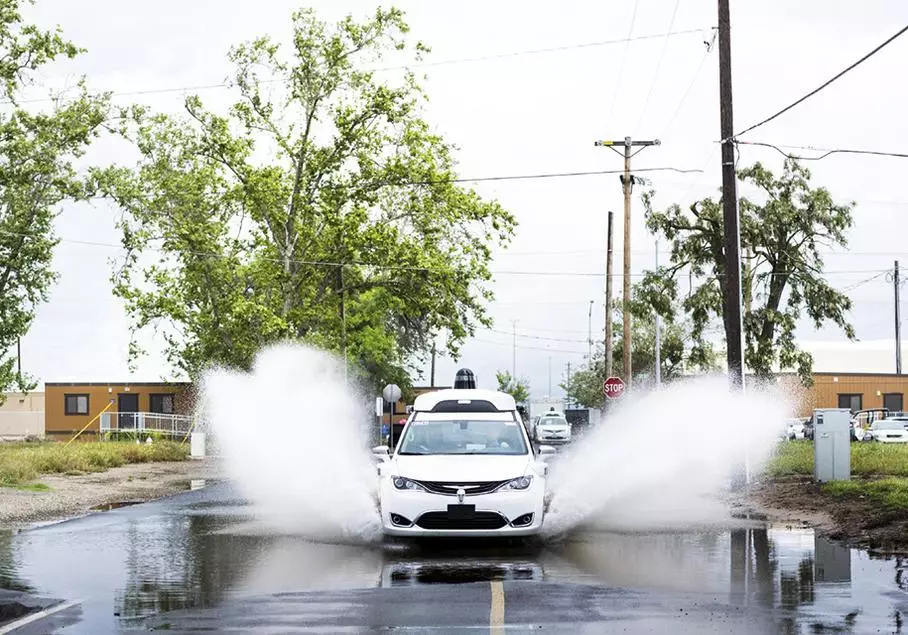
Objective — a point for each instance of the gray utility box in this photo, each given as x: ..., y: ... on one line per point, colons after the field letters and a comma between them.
x: 832, y: 444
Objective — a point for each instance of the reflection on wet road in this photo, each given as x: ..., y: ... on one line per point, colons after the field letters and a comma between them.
x: 199, y: 561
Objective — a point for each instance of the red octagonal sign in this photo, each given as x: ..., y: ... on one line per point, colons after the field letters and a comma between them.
x: 613, y: 387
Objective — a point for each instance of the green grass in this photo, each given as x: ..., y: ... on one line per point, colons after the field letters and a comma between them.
x: 33, y: 487
x: 22, y: 463
x: 889, y: 492
x: 795, y: 458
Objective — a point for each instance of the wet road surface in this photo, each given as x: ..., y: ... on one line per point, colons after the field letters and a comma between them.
x: 199, y: 562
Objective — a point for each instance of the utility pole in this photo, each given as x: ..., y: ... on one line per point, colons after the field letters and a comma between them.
x: 514, y: 353
x: 568, y: 374
x: 898, y: 322
x: 608, y: 301
x: 432, y: 371
x: 658, y: 334
x: 733, y: 323
x: 589, y: 355
x: 19, y: 351
x: 627, y: 181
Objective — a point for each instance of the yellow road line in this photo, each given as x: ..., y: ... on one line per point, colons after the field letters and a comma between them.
x: 496, y: 614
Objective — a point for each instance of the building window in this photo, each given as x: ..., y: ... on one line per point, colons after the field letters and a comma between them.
x: 162, y: 404
x: 893, y: 401
x: 852, y: 402
x: 75, y: 404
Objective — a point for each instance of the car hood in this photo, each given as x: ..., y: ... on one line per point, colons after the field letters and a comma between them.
x: 467, y: 468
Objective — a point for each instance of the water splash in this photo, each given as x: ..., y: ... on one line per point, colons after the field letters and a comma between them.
x: 290, y: 433
x: 659, y: 460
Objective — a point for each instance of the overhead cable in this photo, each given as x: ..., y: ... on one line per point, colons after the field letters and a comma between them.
x: 826, y: 83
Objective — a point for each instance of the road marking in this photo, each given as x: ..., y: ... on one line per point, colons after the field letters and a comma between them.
x: 34, y: 617
x: 496, y: 614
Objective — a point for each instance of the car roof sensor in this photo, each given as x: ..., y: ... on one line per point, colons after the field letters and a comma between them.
x: 465, y: 379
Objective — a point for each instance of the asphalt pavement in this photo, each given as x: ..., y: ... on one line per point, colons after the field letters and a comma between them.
x: 200, y: 562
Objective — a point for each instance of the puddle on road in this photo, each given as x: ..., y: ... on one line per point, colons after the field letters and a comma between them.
x: 106, y: 507
x: 195, y: 554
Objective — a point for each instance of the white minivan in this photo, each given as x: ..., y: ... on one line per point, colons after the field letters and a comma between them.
x: 552, y: 428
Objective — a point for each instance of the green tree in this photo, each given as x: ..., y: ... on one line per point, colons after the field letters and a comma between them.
x: 519, y: 389
x: 782, y: 276
x: 37, y: 149
x: 320, y: 207
x: 585, y: 385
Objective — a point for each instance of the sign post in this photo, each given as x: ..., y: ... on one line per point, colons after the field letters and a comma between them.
x: 392, y: 395
x: 613, y: 387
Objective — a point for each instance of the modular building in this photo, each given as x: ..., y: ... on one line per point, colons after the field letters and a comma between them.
x: 70, y: 407
x: 855, y: 391
x: 22, y: 415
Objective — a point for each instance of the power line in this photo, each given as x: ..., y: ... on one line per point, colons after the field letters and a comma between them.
x: 826, y: 151
x: 652, y: 85
x: 390, y: 267
x: 861, y: 283
x: 463, y: 60
x: 539, y: 337
x: 528, y: 348
x: 623, y: 59
x: 824, y: 84
x: 690, y: 87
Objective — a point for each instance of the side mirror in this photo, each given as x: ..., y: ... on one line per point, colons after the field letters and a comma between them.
x: 546, y: 450
x: 380, y: 450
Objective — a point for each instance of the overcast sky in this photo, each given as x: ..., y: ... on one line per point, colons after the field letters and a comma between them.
x: 528, y: 114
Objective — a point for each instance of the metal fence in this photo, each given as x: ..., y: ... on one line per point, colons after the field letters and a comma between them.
x: 175, y: 426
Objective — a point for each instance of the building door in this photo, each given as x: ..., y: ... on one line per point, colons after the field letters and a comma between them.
x: 851, y: 401
x: 893, y: 401
x: 127, y: 405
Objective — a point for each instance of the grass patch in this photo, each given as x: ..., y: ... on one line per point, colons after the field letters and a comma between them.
x: 22, y: 463
x: 889, y: 492
x: 32, y: 487
x: 794, y: 458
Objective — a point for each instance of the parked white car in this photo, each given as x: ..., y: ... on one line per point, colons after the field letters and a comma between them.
x: 794, y: 429
x: 552, y: 427
x: 464, y: 467
x: 887, y: 431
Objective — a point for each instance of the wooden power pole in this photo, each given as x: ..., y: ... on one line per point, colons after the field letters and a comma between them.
x: 898, y: 322
x: 608, y: 300
x: 627, y: 181
x: 733, y: 322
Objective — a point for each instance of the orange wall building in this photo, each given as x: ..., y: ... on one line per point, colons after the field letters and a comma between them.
x: 68, y: 407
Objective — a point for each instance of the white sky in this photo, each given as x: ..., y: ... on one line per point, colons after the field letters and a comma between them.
x: 528, y: 114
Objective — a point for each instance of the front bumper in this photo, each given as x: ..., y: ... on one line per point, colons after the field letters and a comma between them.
x: 509, y: 505
x: 553, y: 437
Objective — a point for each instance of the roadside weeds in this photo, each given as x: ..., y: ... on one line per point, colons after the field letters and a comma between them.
x: 23, y: 463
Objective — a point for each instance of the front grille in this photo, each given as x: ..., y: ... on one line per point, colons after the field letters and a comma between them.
x: 450, y: 488
x: 479, y: 520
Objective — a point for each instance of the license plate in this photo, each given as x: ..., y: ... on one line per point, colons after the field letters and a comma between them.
x: 461, y: 512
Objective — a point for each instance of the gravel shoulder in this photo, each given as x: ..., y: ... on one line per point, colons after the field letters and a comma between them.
x: 71, y: 496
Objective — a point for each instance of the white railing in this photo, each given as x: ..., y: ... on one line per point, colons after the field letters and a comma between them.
x: 176, y: 426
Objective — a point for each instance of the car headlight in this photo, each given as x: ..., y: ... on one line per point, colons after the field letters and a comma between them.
x: 520, y: 483
x: 402, y: 483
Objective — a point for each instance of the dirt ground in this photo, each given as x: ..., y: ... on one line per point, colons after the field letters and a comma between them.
x: 71, y: 496
x: 854, y: 521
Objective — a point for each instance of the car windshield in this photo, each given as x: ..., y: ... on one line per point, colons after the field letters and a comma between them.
x: 554, y: 421
x: 463, y: 437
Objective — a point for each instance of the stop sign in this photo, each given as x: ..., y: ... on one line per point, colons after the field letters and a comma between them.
x: 613, y: 387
